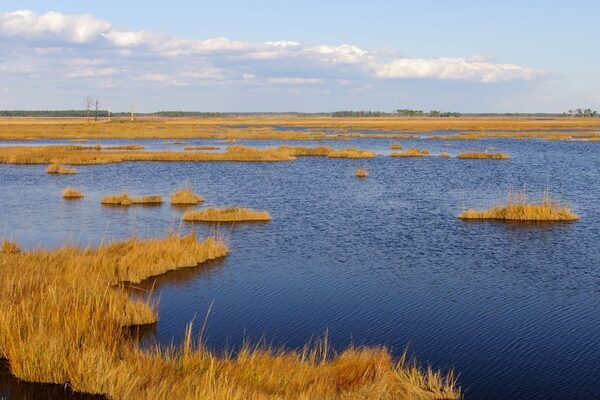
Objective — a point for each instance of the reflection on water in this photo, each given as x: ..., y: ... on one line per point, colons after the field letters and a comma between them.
x: 512, y: 307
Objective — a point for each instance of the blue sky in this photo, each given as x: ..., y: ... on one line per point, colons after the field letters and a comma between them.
x: 303, y: 56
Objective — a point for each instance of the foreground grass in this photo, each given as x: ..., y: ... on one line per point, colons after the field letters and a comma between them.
x: 10, y: 247
x: 226, y: 215
x: 62, y: 314
x: 517, y: 208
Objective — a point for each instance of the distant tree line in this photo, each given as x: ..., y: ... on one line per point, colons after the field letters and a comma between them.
x: 580, y: 113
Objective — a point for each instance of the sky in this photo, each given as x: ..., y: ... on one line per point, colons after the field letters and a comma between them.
x: 309, y: 56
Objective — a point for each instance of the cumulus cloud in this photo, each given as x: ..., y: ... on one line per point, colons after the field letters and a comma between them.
x: 454, y: 68
x: 87, y: 47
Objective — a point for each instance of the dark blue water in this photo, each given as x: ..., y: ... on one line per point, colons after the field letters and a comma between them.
x: 513, y: 308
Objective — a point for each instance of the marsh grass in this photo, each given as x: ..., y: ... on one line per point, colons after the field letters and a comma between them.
x: 236, y: 214
x: 351, y: 153
x: 185, y: 196
x: 10, y: 247
x: 483, y: 155
x: 444, y: 155
x: 125, y: 147
x: 396, y: 146
x: 191, y: 148
x: 59, y: 169
x: 361, y: 172
x: 516, y: 207
x: 412, y: 152
x: 71, y: 193
x: 124, y: 199
x: 65, y: 326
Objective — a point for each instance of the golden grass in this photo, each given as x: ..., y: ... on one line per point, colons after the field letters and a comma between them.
x: 125, y: 200
x: 396, y: 146
x: 300, y: 151
x: 10, y: 247
x: 71, y: 193
x: 79, y: 155
x: 361, y: 172
x: 201, y: 148
x: 444, y: 155
x: 351, y: 153
x: 62, y: 314
x: 59, y: 169
x: 185, y: 195
x: 412, y: 152
x: 226, y: 215
x: 125, y: 147
x: 495, y: 156
x: 517, y: 208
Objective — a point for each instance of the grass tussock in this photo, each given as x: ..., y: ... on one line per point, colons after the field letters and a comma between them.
x: 125, y: 200
x: 351, y: 153
x: 71, y: 193
x: 185, y: 196
x: 361, y: 172
x: 444, y: 155
x: 412, y: 152
x: 10, y: 247
x: 517, y: 208
x: 191, y: 148
x: 484, y: 155
x: 59, y: 169
x: 396, y: 146
x: 226, y: 215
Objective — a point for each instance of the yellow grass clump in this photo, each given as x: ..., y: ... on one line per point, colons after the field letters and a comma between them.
x: 10, y: 247
x: 186, y: 196
x: 517, y: 208
x: 412, y: 152
x: 485, y: 155
x: 226, y: 215
x: 361, y: 172
x: 444, y: 155
x: 396, y: 146
x: 59, y: 169
x: 201, y: 148
x: 351, y: 153
x: 125, y: 200
x: 71, y: 193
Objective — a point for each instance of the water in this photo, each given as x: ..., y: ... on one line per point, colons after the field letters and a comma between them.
x: 513, y: 308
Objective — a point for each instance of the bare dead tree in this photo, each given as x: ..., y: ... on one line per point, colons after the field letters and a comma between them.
x: 108, y: 107
x: 132, y: 111
x: 88, y: 102
x: 96, y: 114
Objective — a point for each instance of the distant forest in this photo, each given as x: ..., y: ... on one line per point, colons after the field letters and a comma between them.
x: 587, y: 113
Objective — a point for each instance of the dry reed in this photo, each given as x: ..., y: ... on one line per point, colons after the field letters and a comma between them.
x: 486, y: 155
x: 412, y: 152
x: 185, y: 195
x: 125, y: 200
x: 517, y: 208
x: 71, y: 193
x: 361, y: 172
x: 59, y: 169
x: 351, y: 153
x: 10, y: 247
x: 226, y: 215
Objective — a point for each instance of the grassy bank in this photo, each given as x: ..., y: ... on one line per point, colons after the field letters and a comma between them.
x: 62, y: 314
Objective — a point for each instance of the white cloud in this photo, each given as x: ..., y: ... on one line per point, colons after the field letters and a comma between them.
x: 454, y: 68
x: 296, y: 81
x: 52, y: 25
x: 91, y: 72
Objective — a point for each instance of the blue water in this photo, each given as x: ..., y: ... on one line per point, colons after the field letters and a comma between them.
x: 513, y: 308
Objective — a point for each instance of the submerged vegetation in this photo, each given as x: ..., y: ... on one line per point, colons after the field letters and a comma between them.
x: 71, y: 193
x: 65, y: 326
x: 412, y: 152
x: 476, y: 155
x: 226, y: 215
x: 517, y: 208
x: 59, y: 169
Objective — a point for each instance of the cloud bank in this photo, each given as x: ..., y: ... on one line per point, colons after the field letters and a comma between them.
x: 67, y: 48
